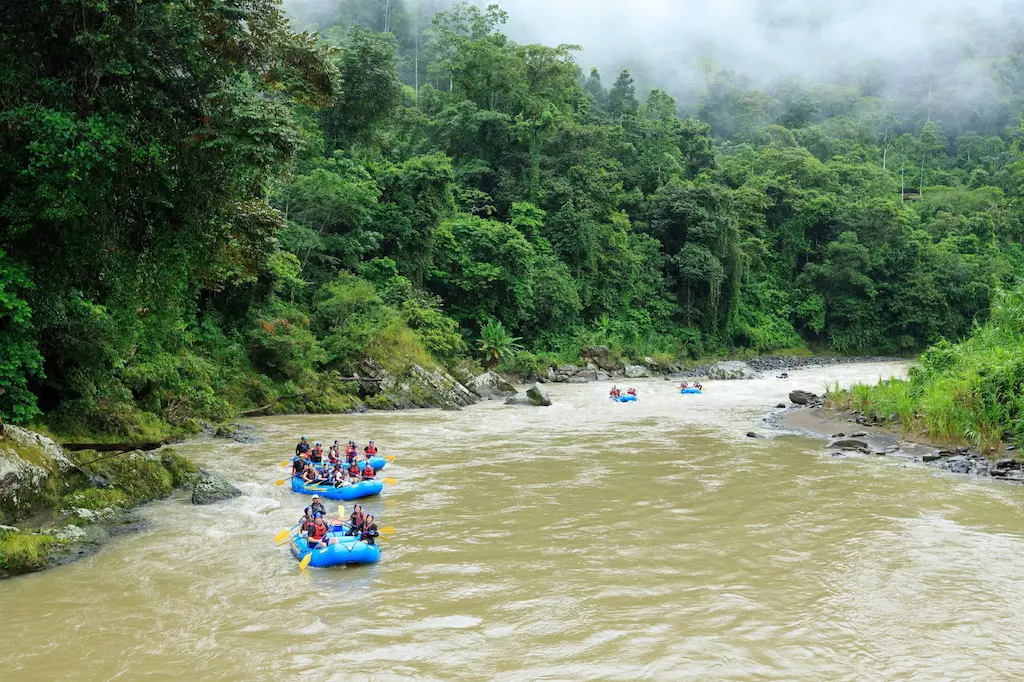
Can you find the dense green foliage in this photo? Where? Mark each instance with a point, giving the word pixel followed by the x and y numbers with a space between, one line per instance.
pixel 202 210
pixel 970 392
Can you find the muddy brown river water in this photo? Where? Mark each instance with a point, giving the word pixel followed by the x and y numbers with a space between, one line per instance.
pixel 588 540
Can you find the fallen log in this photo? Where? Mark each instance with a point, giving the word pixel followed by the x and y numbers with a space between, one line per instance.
pixel 256 411
pixel 119 447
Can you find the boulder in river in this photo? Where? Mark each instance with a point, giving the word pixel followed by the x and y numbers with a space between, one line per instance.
pixel 491 386
pixel 209 488
pixel 731 370
pixel 848 444
pixel 538 396
pixel 636 372
pixel 802 397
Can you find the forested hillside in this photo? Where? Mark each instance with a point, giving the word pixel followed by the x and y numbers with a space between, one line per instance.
pixel 201 210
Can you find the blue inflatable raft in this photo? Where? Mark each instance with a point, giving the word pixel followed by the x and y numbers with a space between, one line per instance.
pixel 624 398
pixel 344 493
pixel 347 550
pixel 691 391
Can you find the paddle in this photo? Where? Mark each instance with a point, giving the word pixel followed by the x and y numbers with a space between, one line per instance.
pixel 283 534
pixel 305 560
pixel 390 458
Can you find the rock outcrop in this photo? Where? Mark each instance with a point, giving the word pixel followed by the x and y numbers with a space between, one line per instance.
pixel 209 488
pixel 731 370
pixel 492 386
pixel 418 387
pixel 636 372
pixel 600 357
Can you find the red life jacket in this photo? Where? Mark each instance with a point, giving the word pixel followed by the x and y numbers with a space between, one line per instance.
pixel 368 472
pixel 357 519
pixel 372 449
pixel 354 469
pixel 318 531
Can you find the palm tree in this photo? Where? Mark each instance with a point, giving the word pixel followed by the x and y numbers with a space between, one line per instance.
pixel 495 343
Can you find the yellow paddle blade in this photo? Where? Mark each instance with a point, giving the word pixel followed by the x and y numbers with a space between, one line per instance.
pixel 390 458
pixel 341 511
pixel 281 536
pixel 284 463
pixel 383 537
pixel 387 529
pixel 390 481
pixel 305 560
pixel 279 482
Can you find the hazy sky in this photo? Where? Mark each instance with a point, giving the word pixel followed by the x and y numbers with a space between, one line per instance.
pixel 765 39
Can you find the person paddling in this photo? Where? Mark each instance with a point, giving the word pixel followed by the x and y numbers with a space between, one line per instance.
pixel 302 448
pixel 369 473
pixel 353 470
pixel 355 520
pixel 317 537
pixel 298 466
pixel 368 533
pixel 309 475
pixel 316 455
pixel 306 521
pixel 631 392
pixel 371 449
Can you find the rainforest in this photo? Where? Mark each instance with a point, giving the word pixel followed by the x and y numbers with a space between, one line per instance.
pixel 206 208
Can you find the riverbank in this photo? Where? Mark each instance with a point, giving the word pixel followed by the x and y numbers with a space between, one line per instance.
pixel 847 434
pixel 57 505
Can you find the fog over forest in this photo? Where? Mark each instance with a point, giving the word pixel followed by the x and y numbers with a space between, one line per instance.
pixel 674 44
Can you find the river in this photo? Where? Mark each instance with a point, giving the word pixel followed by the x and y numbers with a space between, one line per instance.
pixel 588 540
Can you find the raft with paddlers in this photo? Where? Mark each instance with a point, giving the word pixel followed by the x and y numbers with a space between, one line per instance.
pixel 624 398
pixel 347 550
pixel 691 391
pixel 346 492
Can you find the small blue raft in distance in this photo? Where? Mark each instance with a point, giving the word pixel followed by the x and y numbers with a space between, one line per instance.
pixel 344 493
pixel 691 391
pixel 347 550
pixel 624 398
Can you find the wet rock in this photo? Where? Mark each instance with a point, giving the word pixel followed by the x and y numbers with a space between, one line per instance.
pixel 419 387
pixel 780 406
pixel 731 370
pixel 603 376
pixel 600 357
pixel 859 434
pixel 1006 463
pixel 210 488
pixel 782 376
pixel 958 465
pixel 636 372
pixel 240 433
pixel 935 455
pixel 751 434
pixel 538 396
pixel 838 435
pixel 586 374
pixel 802 397
pixel 861 419
pixel 518 399
pixel 491 386
pixel 848 444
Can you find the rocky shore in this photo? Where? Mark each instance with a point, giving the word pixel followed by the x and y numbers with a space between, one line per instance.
pixel 57 506
pixel 854 434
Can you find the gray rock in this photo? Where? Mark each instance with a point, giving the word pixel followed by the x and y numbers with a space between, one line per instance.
pixel 802 397
pixel 212 488
pixel 935 455
pixel 959 465
pixel 603 376
pixel 780 406
pixel 731 370
pixel 240 433
pixel 1006 463
pixel 859 434
pixel 599 357
pixel 636 372
pixel 838 435
pixel 751 434
pixel 518 399
pixel 848 444
pixel 419 387
pixel 491 386
pixel 538 396
pixel 587 373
